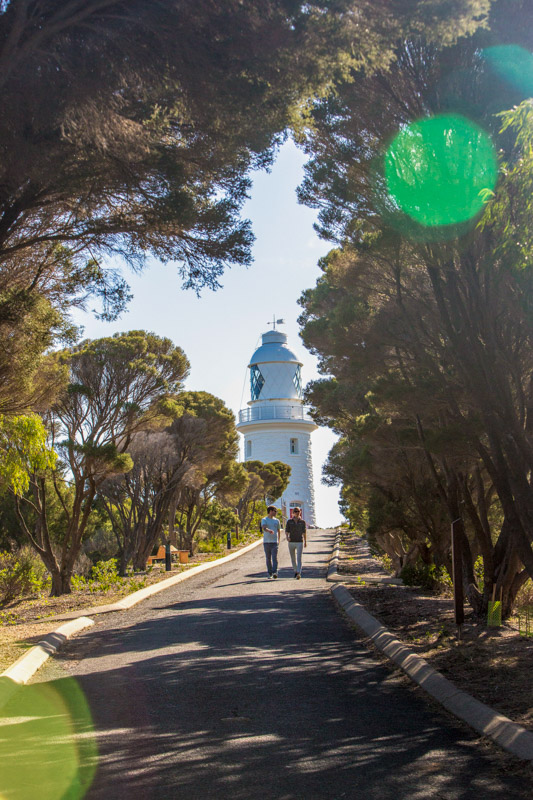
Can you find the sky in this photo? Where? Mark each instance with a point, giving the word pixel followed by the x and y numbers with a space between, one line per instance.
pixel 220 330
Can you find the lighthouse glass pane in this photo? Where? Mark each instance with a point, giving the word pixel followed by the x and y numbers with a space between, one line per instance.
pixel 297 380
pixel 294 446
pixel 256 381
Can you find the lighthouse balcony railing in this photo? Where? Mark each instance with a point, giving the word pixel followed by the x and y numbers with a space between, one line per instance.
pixel 258 413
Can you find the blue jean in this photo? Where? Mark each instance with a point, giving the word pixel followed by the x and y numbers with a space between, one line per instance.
pixel 271 553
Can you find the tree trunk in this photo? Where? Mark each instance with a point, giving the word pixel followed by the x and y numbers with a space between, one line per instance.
pixel 60 583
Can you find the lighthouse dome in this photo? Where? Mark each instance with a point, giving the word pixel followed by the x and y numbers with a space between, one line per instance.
pixel 274 348
pixel 275 371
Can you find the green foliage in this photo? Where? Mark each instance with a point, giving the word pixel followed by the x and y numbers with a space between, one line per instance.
pixel 428 576
pixel 479 572
pixel 259 513
pixel 161 167
pixel 211 545
pixel 101 544
pixel 19 576
pixel 275 476
pixel 219 520
pixel 23 450
pixel 105 574
pixel 104 577
pixel 29 326
pixel 424 333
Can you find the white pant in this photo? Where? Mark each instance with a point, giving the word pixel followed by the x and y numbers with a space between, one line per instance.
pixel 295 549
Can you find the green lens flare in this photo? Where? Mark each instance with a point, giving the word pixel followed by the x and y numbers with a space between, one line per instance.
pixel 512 63
pixel 47 746
pixel 440 170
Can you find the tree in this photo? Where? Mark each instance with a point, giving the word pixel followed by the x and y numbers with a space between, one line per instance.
pixel 275 476
pixel 114 383
pixel 430 332
pixel 251 497
pixel 129 127
pixel 219 520
pixel 218 475
pixel 266 483
pixel 165 460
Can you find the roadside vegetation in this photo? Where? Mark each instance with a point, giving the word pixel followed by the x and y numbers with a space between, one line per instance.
pixel 137 463
pixel 421 318
pixel 492 663
pixel 129 131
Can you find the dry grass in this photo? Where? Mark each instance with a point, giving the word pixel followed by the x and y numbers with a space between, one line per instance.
pixel 493 664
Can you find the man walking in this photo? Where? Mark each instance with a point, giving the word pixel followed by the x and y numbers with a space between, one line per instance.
pixel 296 533
pixel 271 535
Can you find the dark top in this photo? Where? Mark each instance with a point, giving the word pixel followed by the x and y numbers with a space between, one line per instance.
pixel 296 529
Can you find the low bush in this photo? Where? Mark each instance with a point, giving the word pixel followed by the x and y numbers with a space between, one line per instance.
pixel 211 546
pixel 105 574
pixel 21 573
pixel 103 577
pixel 427 576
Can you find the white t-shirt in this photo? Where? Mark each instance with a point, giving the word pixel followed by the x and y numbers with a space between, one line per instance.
pixel 272 534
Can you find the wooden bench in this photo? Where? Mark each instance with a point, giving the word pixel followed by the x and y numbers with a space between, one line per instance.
pixel 175 554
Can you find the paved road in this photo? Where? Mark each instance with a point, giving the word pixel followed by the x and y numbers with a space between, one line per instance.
pixel 232 686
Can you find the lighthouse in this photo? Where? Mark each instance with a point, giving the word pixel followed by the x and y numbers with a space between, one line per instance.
pixel 276 425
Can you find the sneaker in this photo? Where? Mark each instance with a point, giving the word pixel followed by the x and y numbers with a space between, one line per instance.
pixel 269 576
pixel 295 574
pixel 275 575
pixel 298 576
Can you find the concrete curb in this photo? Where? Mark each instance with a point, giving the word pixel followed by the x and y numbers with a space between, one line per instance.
pixel 27 665
pixel 506 733
pixel 334 577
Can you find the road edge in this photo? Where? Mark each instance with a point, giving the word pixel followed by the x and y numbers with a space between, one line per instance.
pixel 334 577
pixel 23 669
pixel 482 718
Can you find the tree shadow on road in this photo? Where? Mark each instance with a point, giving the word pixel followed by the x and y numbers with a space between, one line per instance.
pixel 267 694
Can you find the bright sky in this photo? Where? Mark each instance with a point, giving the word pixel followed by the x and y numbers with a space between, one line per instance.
pixel 220 330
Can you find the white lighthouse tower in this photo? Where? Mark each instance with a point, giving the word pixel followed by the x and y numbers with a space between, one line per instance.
pixel 276 425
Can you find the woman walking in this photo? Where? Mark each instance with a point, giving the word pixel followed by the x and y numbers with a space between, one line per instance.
pixel 296 533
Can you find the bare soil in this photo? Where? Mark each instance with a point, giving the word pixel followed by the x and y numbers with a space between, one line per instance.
pixel 494 665
pixel 24 622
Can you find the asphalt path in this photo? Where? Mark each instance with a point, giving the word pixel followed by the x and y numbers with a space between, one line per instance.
pixel 233 686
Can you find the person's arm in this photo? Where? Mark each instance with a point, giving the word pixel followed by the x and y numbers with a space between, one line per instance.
pixel 305 534
pixel 287 531
pixel 279 531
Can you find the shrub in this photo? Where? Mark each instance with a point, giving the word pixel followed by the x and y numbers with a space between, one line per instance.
pixel 40 577
pixel 105 575
pixel 78 583
pixel 387 563
pixel 211 546
pixel 18 576
pixel 427 576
